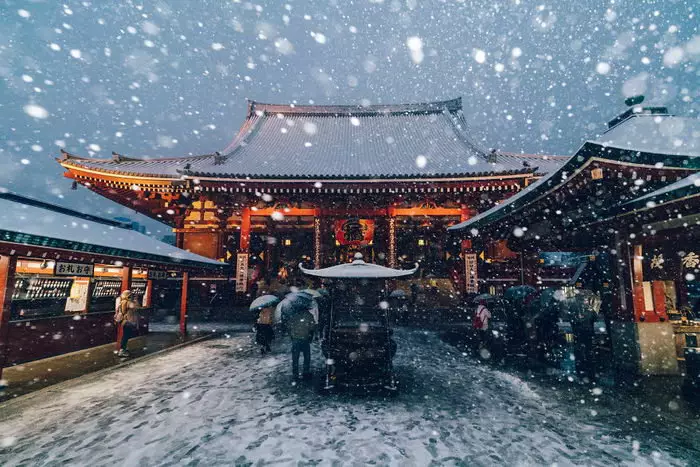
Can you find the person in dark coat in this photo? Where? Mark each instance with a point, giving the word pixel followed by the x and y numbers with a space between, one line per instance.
pixel 301 327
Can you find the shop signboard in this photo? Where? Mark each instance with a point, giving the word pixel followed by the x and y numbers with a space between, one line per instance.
pixel 157 275
pixel 353 231
pixel 471 277
pixel 242 272
pixel 78 297
pixel 73 269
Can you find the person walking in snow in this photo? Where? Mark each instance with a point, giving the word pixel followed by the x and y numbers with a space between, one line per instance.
pixel 126 318
pixel 301 328
pixel 264 332
pixel 480 323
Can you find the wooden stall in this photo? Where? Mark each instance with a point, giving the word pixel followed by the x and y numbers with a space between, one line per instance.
pixel 61 271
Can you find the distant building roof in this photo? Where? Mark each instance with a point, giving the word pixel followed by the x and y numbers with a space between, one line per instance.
pixel 32 222
pixel 659 134
pixel 340 142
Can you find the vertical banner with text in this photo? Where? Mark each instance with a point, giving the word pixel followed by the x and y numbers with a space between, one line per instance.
pixel 470 270
pixel 242 272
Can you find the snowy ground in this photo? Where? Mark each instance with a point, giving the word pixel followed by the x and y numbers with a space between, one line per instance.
pixel 219 402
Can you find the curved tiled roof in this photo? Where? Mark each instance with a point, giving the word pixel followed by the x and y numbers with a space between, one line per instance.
pixel 342 142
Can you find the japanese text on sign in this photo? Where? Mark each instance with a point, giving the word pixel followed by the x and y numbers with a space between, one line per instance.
pixel 471 278
pixel 157 275
pixel 73 269
pixel 242 272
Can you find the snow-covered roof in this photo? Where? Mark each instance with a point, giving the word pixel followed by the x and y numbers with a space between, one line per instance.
pixel 655 141
pixel 689 186
pixel 43 224
pixel 658 134
pixel 358 269
pixel 348 142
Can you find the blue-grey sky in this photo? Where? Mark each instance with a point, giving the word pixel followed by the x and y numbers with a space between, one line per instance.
pixel 170 78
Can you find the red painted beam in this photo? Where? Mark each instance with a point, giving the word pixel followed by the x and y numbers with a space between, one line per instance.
pixel 7 287
pixel 183 303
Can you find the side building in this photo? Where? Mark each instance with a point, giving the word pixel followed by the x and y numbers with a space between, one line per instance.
pixel 629 203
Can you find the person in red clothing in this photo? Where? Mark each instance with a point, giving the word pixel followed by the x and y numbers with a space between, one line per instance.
pixel 480 322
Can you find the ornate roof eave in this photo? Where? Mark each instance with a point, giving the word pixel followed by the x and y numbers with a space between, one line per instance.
pixel 590 152
pixel 209 176
pixel 74 164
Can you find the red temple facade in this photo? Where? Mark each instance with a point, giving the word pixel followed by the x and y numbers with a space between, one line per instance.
pixel 316 184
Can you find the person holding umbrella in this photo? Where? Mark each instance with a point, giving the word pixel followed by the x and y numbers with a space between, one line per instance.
pixel 264 332
pixel 295 313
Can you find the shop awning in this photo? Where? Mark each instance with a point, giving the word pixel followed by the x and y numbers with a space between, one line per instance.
pixel 27 221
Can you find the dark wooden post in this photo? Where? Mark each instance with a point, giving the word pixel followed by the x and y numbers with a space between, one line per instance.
pixel 183 303
pixel 8 265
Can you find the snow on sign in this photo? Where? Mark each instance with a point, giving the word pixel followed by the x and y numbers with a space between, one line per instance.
pixel 241 272
pixel 73 269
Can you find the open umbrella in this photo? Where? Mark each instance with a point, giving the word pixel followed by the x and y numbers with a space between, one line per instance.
pixel 483 296
pixel 263 302
pixel 293 303
pixel 312 292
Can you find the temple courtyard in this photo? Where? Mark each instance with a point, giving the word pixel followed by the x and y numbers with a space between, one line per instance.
pixel 218 402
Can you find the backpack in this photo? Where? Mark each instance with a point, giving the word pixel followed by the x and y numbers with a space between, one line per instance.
pixel 122 307
pixel 478 320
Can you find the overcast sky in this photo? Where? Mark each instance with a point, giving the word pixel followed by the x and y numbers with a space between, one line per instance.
pixel 171 78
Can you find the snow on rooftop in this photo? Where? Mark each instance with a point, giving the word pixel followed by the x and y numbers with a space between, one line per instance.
pixel 40 221
pixel 658 134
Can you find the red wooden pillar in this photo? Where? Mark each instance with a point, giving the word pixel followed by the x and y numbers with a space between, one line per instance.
pixel 183 303
pixel 126 284
pixel 149 294
pixel 7 288
pixel 244 243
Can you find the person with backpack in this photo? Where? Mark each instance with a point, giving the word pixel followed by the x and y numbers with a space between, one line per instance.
pixel 126 318
pixel 480 323
pixel 301 328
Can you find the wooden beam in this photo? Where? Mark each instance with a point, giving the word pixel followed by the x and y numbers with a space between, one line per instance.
pixel 183 303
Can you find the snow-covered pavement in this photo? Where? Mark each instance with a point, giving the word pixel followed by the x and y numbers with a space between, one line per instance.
pixel 220 403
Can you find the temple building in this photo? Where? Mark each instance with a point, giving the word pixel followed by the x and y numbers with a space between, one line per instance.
pixel 628 203
pixel 316 184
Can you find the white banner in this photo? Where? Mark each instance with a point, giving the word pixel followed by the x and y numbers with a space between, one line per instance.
pixel 242 272
pixel 470 270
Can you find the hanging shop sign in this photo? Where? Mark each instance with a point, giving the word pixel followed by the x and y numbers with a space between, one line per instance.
pixel 73 269
pixel 357 232
pixel 242 272
pixel 471 276
pixel 157 275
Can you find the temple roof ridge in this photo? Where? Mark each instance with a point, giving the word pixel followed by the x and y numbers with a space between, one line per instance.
pixel 450 105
